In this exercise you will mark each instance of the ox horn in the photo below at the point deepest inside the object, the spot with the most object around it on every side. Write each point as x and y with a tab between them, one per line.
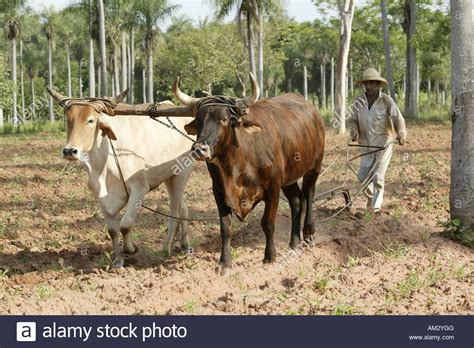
182	97
252	99
57	96
118	99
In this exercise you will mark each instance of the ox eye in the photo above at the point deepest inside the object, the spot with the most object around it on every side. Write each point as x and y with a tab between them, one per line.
90	121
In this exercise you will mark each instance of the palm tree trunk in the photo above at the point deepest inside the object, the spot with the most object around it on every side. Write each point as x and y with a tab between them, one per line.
411	78
33	99
150	77
91	55
461	199
305	82
116	69
69	82
80	78
250	43
341	73
332	84
22	89
99	78
132	66
50	77
14	110
323	86
103	52
144	85
386	45
351	79
124	61
260	53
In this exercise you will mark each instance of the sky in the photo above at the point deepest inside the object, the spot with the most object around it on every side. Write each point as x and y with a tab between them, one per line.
301	10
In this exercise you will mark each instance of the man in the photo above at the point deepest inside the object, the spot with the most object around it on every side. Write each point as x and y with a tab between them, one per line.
376	120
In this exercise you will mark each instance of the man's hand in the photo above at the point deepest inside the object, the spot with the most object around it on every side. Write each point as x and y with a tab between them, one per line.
354	135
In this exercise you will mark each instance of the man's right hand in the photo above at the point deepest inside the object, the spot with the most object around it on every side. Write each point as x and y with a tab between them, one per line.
354	135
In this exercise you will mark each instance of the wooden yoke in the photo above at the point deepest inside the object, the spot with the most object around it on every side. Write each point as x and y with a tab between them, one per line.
153	110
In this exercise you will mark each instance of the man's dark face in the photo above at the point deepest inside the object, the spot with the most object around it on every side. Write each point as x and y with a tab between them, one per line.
372	87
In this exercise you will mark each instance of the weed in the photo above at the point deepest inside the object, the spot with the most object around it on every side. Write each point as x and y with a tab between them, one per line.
434	276
44	291
320	284
106	261
234	253
342	309
409	284
190	306
394	250
454	231
353	261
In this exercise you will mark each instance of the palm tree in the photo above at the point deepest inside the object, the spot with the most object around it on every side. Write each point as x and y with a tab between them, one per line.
386	44
48	30
88	9
462	163
411	91
102	49
252	12
150	13
12	32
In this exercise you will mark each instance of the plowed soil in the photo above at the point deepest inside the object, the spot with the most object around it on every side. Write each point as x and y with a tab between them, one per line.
55	249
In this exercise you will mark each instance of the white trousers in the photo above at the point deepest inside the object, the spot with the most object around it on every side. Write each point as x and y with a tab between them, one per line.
374	190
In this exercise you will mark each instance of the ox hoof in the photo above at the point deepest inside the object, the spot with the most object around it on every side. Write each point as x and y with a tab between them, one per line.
295	242
222	270
187	250
309	239
131	252
267	261
118	262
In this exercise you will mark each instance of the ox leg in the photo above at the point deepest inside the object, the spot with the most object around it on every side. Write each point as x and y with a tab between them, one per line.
309	188
183	225
225	217
128	219
295	198
268	223
175	186
113	228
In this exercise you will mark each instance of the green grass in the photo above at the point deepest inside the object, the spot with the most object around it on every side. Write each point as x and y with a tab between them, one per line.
30	127
460	234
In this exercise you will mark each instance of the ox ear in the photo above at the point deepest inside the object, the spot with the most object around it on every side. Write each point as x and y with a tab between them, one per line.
107	130
191	128
249	126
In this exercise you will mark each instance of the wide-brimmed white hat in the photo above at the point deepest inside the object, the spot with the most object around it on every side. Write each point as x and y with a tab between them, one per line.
372	75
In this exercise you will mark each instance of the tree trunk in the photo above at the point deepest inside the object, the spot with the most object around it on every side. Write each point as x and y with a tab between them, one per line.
116	74
68	61
113	87
323	86
428	89
250	43
22	89
80	78
461	198
332	84
436	90
386	45
14	109
150	77
260	54
341	72
305	82
132	66
290	85
91	55
351	80
124	61
411	67
144	85
103	52
99	78
50	77
33	99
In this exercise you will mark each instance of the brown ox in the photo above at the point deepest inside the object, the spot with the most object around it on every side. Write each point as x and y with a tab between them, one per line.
252	149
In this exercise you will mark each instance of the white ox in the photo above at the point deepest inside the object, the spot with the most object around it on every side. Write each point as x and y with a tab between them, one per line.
148	154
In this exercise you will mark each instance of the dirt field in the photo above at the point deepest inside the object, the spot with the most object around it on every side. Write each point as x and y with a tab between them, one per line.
54	249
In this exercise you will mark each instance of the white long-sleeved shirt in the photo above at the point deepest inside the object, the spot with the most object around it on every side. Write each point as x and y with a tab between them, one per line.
374	126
